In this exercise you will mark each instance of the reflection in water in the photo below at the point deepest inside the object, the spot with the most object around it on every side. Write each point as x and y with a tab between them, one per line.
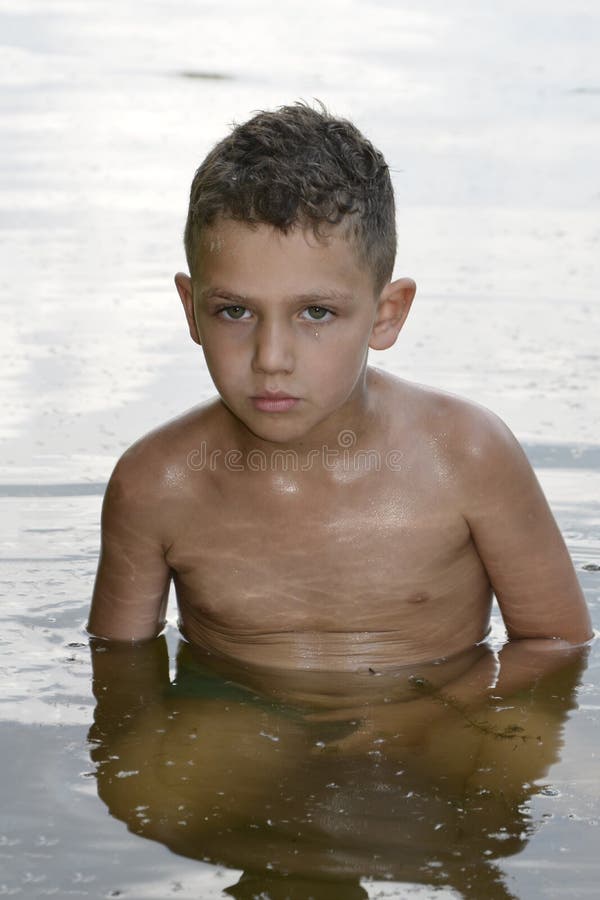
417	776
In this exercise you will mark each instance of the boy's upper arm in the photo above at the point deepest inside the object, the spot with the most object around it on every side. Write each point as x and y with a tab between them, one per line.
132	582
519	541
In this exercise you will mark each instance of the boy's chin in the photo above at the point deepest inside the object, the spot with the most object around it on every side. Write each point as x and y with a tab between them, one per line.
277	428
278	431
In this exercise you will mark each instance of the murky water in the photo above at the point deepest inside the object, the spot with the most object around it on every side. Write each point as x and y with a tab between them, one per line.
490	119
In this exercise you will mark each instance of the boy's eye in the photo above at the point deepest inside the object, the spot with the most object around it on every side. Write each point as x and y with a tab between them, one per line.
234	312
317	312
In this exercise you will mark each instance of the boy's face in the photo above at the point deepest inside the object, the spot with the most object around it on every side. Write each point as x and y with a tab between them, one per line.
285	322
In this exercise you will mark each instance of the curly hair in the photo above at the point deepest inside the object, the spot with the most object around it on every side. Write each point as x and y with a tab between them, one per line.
298	166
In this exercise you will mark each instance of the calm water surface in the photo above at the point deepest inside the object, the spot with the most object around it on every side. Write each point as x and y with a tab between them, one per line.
171	781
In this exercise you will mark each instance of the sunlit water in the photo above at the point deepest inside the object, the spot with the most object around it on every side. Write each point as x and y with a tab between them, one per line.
490	119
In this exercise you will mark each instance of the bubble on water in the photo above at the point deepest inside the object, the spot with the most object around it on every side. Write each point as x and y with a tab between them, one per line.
550	791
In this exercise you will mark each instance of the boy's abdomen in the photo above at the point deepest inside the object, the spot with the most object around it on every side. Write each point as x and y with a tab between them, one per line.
347	651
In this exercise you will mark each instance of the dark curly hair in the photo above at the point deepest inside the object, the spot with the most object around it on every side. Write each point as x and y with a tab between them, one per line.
298	166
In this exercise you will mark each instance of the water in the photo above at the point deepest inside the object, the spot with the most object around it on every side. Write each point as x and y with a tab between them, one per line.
489	119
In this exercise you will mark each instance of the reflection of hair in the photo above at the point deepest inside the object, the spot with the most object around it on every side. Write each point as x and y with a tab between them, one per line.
298	166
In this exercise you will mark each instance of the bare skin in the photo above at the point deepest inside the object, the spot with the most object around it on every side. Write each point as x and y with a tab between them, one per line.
400	511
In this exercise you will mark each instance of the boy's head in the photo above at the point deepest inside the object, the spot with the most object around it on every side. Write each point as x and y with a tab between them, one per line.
298	166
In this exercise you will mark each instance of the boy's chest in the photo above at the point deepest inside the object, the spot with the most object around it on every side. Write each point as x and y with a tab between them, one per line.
360	558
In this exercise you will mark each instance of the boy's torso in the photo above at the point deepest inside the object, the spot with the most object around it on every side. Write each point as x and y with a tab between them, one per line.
356	559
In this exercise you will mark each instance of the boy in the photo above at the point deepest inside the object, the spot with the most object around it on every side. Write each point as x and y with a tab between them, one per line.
320	514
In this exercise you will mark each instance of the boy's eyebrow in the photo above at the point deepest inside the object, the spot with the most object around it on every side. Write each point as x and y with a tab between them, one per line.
315	297
222	295
324	296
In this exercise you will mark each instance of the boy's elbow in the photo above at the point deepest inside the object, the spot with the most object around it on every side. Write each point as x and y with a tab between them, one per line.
565	636
124	634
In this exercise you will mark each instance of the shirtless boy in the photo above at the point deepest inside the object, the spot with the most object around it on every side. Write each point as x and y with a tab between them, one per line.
319	513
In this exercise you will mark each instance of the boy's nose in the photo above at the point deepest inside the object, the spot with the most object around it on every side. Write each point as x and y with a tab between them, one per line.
273	349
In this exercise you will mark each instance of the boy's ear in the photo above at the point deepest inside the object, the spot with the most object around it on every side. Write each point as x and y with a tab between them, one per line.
392	309
183	283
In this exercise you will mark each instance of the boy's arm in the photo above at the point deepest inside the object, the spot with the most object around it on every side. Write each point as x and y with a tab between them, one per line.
519	542
132	583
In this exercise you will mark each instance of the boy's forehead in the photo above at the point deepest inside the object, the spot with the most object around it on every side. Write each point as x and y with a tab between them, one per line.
229	247
227	234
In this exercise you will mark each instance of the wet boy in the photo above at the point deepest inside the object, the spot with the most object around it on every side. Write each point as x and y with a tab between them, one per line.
319	513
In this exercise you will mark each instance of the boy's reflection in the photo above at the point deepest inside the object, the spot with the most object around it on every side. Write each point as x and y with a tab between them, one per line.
310	781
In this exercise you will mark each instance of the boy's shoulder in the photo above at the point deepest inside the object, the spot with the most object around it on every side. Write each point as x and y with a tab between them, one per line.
158	465
458	454
463	434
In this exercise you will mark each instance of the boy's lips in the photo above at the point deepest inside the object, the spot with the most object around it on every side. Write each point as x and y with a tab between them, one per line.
274	401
